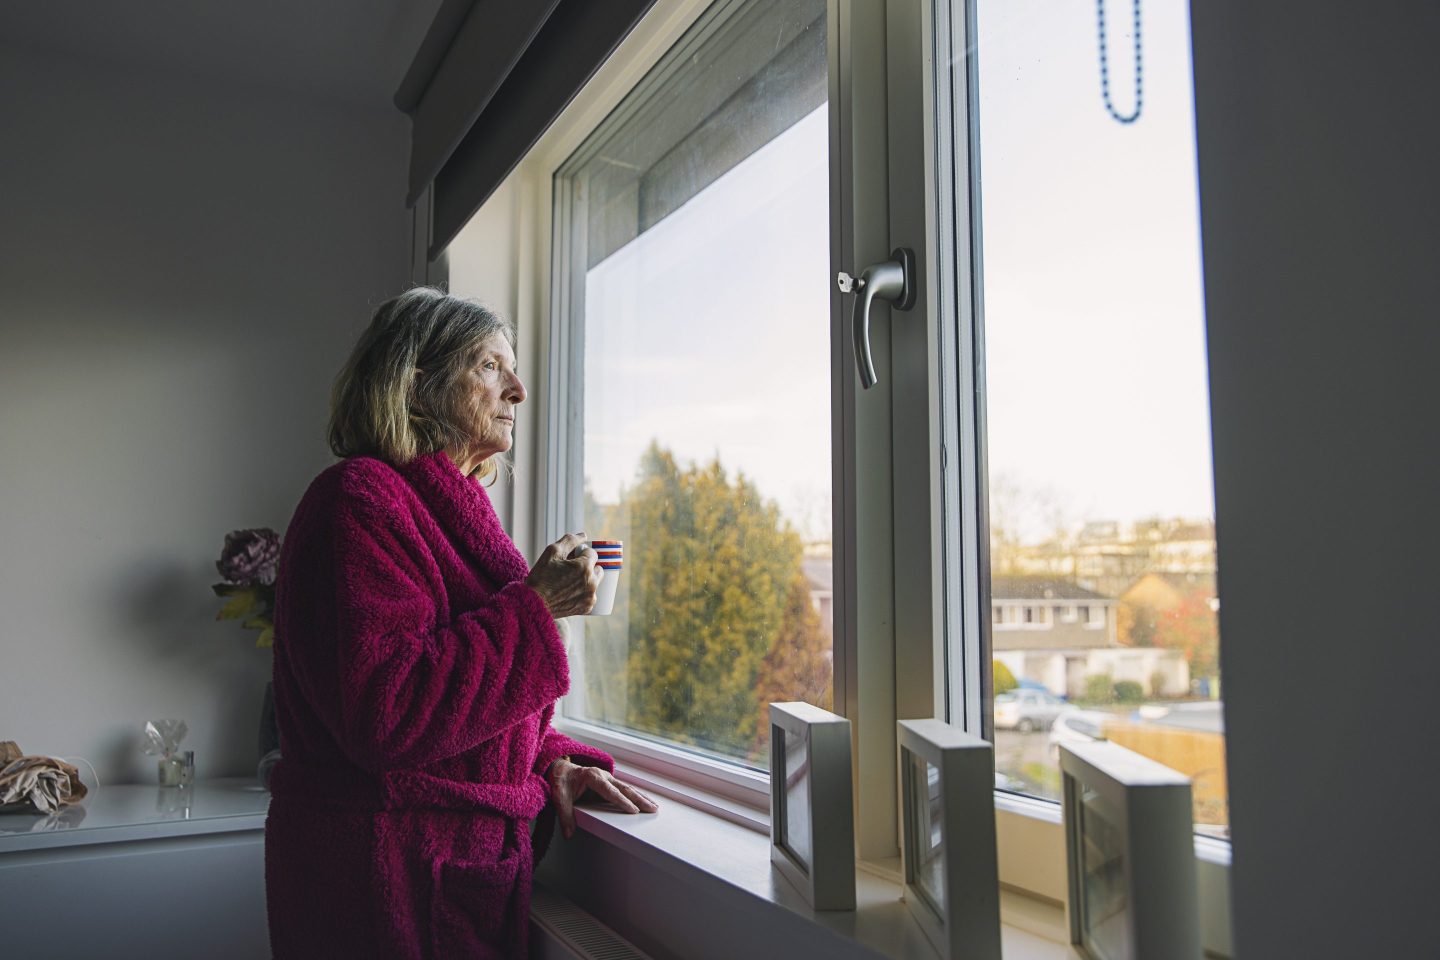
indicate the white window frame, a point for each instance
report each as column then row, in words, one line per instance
column 540, row 516
column 897, row 593
column 886, row 563
column 1029, row 833
column 888, row 658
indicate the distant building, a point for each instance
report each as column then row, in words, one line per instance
column 1190, row 548
column 1111, row 567
column 1108, row 556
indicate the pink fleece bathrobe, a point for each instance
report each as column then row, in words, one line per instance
column 415, row 679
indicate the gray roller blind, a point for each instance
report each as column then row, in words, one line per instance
column 467, row 55
column 488, row 80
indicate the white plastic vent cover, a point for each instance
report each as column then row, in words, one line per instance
column 578, row 932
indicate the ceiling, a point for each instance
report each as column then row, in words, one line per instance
column 351, row 50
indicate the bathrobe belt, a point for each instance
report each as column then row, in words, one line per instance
column 405, row 790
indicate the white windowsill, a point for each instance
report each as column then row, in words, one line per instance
column 1031, row 840
column 710, row 842
column 734, row 811
column 714, row 855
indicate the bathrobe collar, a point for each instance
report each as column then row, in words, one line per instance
column 464, row 509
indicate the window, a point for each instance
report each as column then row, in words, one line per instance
column 1097, row 461
column 667, row 182
column 691, row 278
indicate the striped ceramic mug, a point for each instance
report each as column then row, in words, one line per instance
column 611, row 554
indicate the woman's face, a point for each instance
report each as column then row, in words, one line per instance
column 495, row 392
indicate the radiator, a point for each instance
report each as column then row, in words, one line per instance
column 562, row 931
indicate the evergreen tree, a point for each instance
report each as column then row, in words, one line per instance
column 799, row 665
column 711, row 614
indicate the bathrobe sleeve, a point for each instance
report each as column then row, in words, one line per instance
column 557, row 745
column 414, row 688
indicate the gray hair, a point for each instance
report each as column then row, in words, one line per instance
column 380, row 406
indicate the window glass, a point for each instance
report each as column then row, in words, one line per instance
column 796, row 829
column 1097, row 435
column 694, row 229
column 1105, row 905
column 927, row 841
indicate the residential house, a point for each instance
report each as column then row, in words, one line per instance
column 1059, row 634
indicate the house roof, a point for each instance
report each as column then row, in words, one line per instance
column 1183, row 583
column 1040, row 588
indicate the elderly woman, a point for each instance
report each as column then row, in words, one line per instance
column 417, row 662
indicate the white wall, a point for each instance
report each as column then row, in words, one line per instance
column 1319, row 197
column 484, row 264
column 183, row 268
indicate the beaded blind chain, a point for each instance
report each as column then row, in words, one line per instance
column 1105, row 66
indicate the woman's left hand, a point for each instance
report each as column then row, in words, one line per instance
column 569, row 781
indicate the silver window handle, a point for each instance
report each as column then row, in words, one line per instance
column 892, row 280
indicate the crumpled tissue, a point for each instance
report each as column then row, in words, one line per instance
column 42, row 783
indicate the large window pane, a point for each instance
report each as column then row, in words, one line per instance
column 694, row 225
column 1103, row 578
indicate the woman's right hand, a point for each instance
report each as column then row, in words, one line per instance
column 566, row 576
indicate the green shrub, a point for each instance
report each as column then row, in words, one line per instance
column 1129, row 691
column 1004, row 679
column 1100, row 688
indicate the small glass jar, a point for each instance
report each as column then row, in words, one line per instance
column 187, row 769
column 171, row 768
column 173, row 804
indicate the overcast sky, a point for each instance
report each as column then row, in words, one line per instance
column 710, row 331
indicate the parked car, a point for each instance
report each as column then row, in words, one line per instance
column 1028, row 710
column 1076, row 726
